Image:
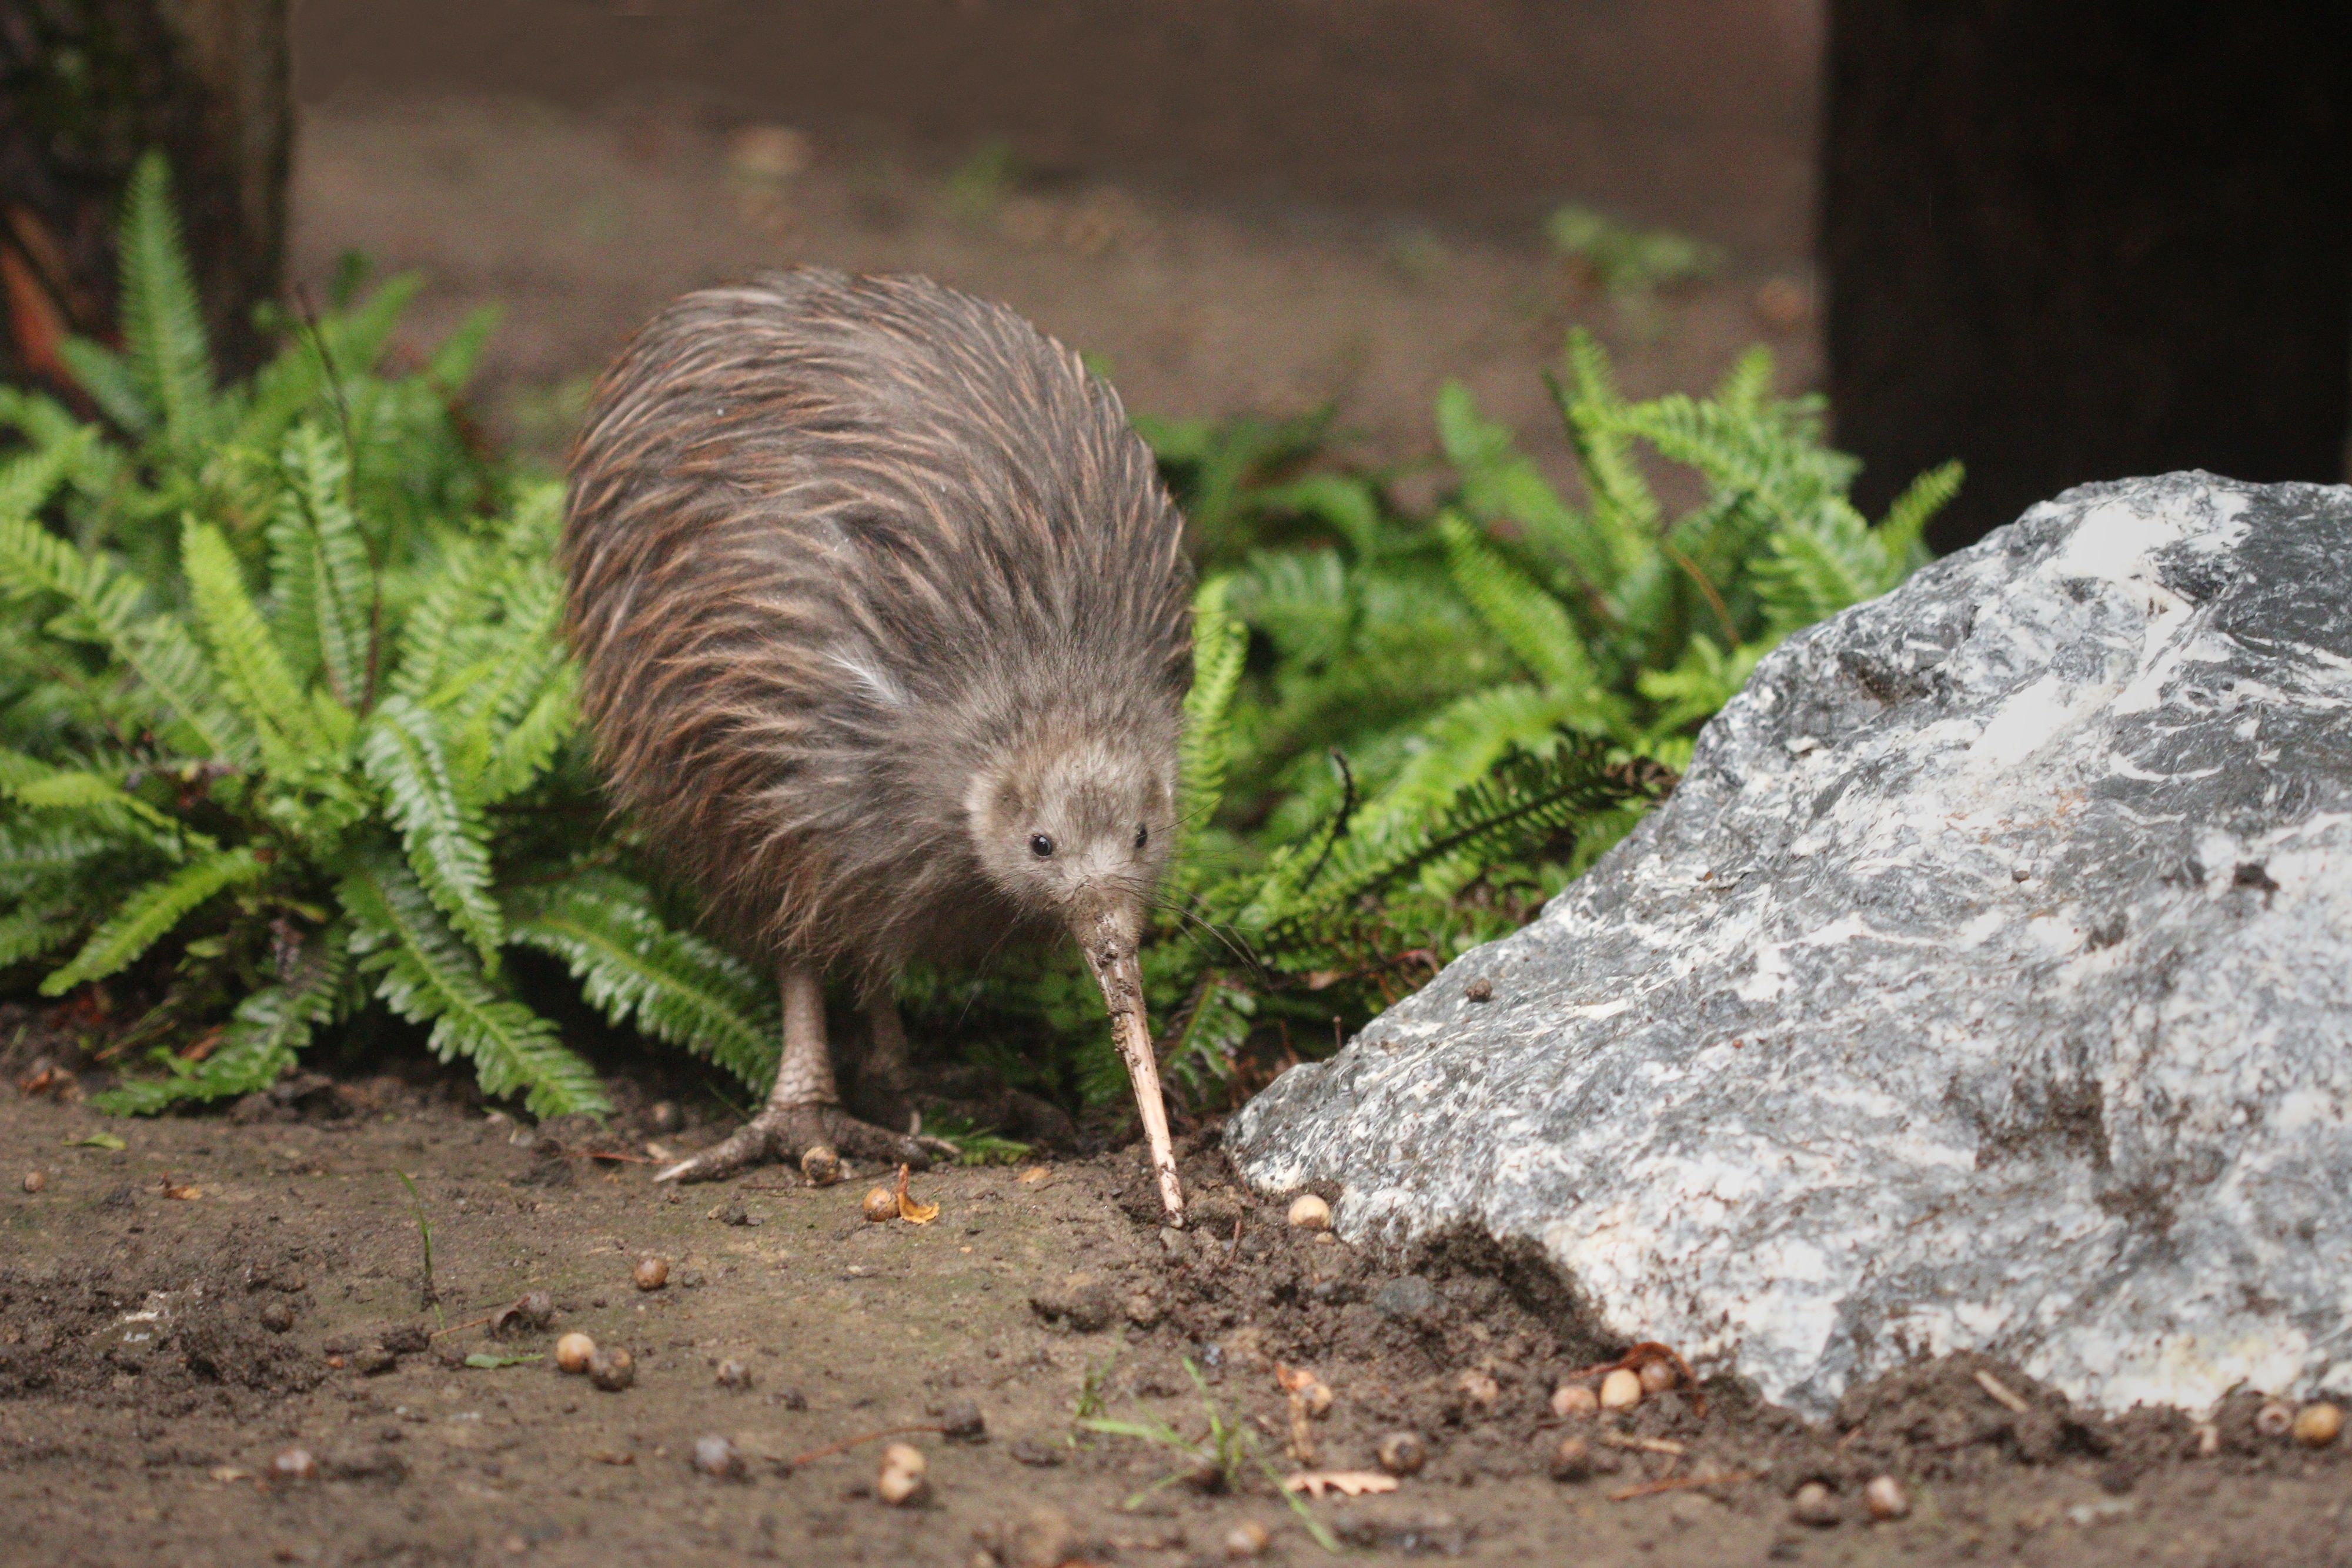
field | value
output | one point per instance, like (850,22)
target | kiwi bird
(883,622)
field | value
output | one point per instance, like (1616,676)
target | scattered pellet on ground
(36,1180)
(612,1369)
(2317,1424)
(1402,1453)
(717,1457)
(651,1273)
(295,1464)
(574,1351)
(2274,1420)
(821,1165)
(1885,1497)
(1620,1390)
(881,1204)
(905,1476)
(1248,1539)
(1816,1505)
(1309,1212)
(1573,1400)
(734,1374)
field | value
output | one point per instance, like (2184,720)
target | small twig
(1678,1483)
(2002,1392)
(848,1443)
(602,1155)
(1666,1446)
(461,1328)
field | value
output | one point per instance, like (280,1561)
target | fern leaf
(320,578)
(108,377)
(426,974)
(1908,519)
(148,914)
(447,842)
(26,932)
(1501,482)
(529,748)
(253,670)
(163,321)
(1609,471)
(1530,621)
(260,1040)
(106,601)
(1220,641)
(27,482)
(1749,384)
(103,804)
(675,987)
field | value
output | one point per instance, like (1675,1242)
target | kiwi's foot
(781,1134)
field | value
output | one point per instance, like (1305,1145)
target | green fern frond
(253,671)
(426,974)
(107,377)
(1908,519)
(675,987)
(1529,621)
(527,750)
(30,931)
(1602,450)
(1816,569)
(102,804)
(162,320)
(1220,643)
(27,482)
(260,1041)
(443,832)
(1745,387)
(1501,483)
(148,914)
(321,580)
(105,603)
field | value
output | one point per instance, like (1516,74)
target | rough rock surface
(1987,983)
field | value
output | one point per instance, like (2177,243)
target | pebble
(719,1457)
(1247,1539)
(612,1370)
(295,1465)
(962,1421)
(278,1317)
(574,1351)
(821,1165)
(1620,1390)
(1816,1505)
(1657,1376)
(36,1180)
(2274,1420)
(903,1480)
(1309,1212)
(736,1374)
(1479,1387)
(651,1273)
(880,1204)
(2318,1424)
(1402,1453)
(1574,1399)
(1572,1461)
(1885,1497)
(1142,1308)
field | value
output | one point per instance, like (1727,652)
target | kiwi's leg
(803,1108)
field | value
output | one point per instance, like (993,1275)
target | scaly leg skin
(803,1107)
(884,1083)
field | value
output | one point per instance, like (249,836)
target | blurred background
(2059,242)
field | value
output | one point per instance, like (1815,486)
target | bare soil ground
(177,1313)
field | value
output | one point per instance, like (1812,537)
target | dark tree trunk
(2069,240)
(85,86)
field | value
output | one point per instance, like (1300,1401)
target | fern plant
(280,741)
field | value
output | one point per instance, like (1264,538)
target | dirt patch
(158,1353)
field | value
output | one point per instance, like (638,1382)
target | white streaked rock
(1987,983)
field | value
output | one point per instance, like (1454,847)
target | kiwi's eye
(1041,846)
(1142,835)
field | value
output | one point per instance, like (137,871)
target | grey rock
(1987,983)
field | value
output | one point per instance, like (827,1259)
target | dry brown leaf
(171,1191)
(910,1211)
(1034,1174)
(1349,1483)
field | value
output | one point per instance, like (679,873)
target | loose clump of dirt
(254,1368)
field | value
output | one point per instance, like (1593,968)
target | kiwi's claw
(779,1134)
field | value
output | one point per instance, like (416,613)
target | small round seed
(1247,1539)
(1309,1212)
(612,1369)
(2274,1420)
(821,1165)
(1814,1504)
(36,1180)
(295,1465)
(278,1317)
(881,1204)
(2318,1424)
(1402,1453)
(1657,1376)
(1620,1390)
(1479,1387)
(574,1351)
(905,1476)
(1572,1461)
(1885,1497)
(1574,1399)
(651,1273)
(719,1457)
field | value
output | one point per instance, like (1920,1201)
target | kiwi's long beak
(1108,936)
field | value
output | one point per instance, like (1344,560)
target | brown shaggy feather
(849,559)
